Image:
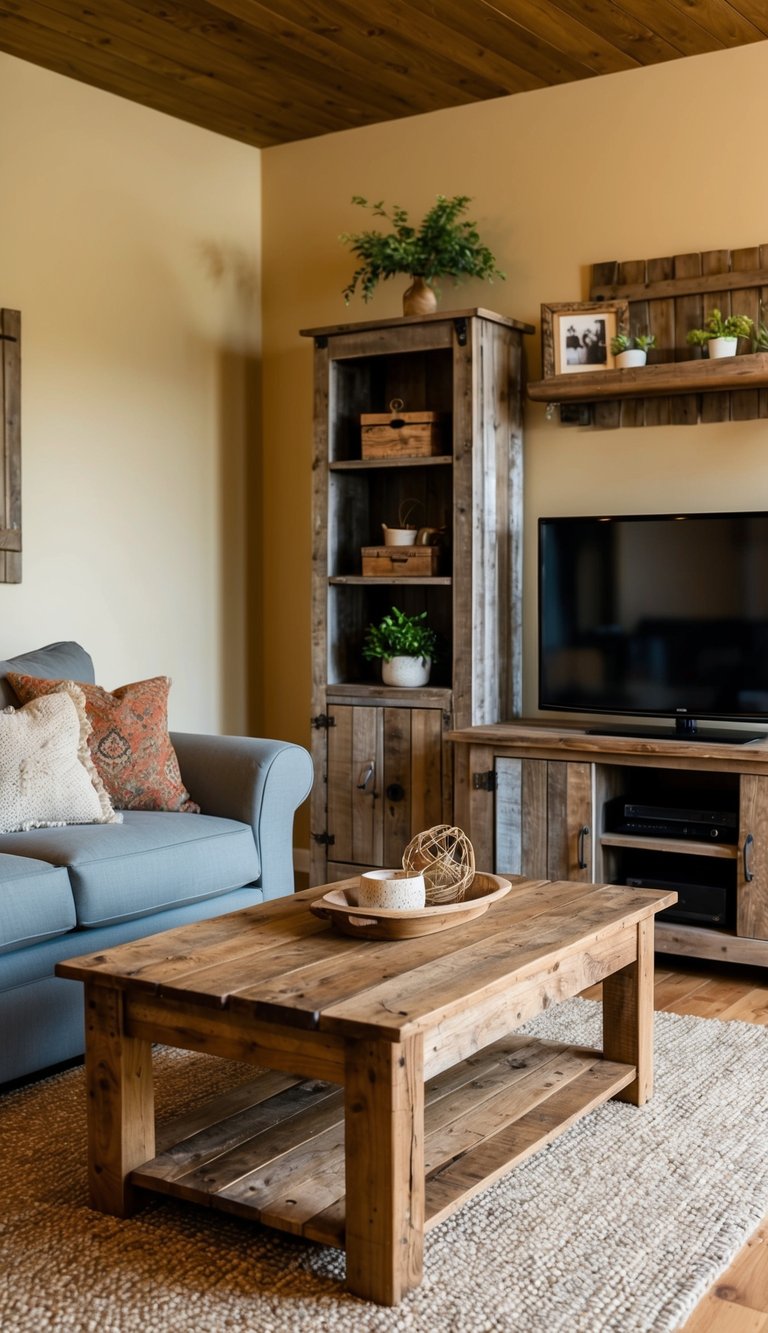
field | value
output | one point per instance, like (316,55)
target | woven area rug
(621,1224)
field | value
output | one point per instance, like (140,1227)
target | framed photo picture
(577,336)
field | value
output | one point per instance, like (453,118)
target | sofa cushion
(47,775)
(56,661)
(152,861)
(36,902)
(129,741)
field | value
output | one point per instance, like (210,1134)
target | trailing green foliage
(718,325)
(400,635)
(442,246)
(624,342)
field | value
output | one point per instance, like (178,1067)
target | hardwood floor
(738,1302)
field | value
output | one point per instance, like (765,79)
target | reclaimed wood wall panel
(10,446)
(668,296)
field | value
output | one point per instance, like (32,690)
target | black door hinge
(325,839)
(323,721)
(485,781)
(460,325)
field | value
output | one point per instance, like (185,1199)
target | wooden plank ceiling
(273,71)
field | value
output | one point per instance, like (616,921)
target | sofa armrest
(260,782)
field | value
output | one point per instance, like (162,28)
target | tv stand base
(710,735)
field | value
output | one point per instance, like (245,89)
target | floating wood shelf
(668,297)
(730,372)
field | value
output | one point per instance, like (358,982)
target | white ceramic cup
(392,890)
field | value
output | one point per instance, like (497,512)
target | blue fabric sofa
(81,888)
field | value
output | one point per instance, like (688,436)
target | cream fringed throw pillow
(47,776)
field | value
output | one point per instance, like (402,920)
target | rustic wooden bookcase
(383,770)
(533,797)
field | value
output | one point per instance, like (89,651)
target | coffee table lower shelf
(273,1150)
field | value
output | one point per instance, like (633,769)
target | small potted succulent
(720,334)
(631,351)
(406,646)
(760,338)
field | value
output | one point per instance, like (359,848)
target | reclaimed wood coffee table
(393,1089)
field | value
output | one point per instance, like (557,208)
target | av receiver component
(663,821)
(697,904)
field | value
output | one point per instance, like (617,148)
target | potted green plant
(406,646)
(720,334)
(760,338)
(444,245)
(631,351)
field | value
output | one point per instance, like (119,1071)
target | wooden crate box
(401,560)
(401,434)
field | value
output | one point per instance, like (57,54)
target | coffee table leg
(121,1120)
(628,1017)
(384,1153)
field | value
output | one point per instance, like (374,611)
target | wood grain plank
(396,777)
(752,898)
(366,963)
(632,411)
(121,1123)
(210,1031)
(426,770)
(606,415)
(535,809)
(763,319)
(745,406)
(439,990)
(661,323)
(711,24)
(170,954)
(564,32)
(716,406)
(494,1157)
(628,1017)
(10,446)
(232,1121)
(677,285)
(684,408)
(384,1169)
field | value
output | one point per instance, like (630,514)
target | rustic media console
(533,798)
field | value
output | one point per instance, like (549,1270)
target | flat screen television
(657,616)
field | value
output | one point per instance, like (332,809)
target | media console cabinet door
(544,818)
(752,899)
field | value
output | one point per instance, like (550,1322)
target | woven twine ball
(446,858)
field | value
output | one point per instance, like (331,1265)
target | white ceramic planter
(722,347)
(634,356)
(399,536)
(407,671)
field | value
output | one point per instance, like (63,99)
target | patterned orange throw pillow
(129,742)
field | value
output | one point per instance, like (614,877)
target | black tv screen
(663,615)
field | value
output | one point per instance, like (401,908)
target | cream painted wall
(131,244)
(623,167)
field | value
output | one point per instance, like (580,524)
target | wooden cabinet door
(354,781)
(544,818)
(752,872)
(387,781)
